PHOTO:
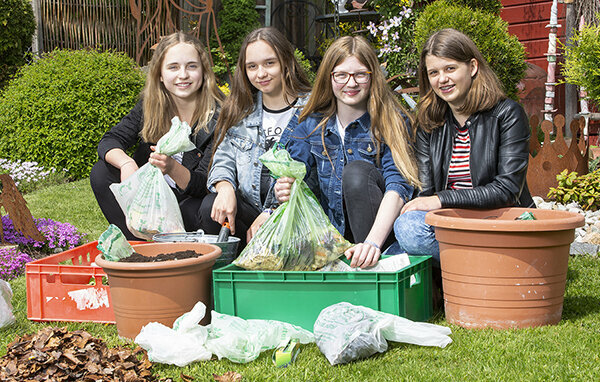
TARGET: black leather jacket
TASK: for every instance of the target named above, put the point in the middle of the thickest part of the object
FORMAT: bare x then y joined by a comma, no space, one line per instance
498,160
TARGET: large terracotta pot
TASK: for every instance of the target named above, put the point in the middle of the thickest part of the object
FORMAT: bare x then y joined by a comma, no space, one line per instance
159,291
500,272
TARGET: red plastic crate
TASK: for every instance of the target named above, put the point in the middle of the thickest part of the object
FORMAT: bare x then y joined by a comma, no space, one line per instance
57,292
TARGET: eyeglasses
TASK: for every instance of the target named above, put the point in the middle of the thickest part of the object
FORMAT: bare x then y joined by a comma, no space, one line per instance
342,78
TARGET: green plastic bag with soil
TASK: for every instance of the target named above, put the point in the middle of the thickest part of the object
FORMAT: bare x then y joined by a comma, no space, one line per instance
298,236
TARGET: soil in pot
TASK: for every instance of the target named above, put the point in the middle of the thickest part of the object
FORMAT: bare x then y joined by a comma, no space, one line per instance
179,255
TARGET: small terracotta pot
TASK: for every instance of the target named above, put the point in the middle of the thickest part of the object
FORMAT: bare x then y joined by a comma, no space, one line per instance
160,291
500,272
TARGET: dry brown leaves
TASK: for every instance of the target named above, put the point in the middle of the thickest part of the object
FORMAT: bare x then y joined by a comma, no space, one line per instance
59,355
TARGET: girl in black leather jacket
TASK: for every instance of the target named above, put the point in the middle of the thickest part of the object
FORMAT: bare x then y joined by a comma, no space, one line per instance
472,142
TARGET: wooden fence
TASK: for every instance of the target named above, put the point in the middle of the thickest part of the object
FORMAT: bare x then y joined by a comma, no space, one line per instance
130,26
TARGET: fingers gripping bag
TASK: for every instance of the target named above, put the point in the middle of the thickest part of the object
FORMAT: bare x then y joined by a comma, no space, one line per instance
149,205
298,236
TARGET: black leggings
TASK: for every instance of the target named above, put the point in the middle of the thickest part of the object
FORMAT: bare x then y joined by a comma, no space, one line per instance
363,188
104,174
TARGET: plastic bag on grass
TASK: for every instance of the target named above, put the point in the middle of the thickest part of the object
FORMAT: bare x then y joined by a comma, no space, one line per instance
228,337
6,310
298,236
346,332
149,205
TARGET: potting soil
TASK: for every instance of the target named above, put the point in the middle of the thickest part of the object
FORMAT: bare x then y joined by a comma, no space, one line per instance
139,258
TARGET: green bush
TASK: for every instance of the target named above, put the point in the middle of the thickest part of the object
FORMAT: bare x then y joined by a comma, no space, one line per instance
504,52
584,189
17,26
305,64
236,20
582,61
56,109
492,6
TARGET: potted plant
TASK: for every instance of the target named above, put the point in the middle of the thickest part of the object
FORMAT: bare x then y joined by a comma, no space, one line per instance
500,272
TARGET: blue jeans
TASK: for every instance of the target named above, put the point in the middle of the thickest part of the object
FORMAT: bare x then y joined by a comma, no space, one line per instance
415,237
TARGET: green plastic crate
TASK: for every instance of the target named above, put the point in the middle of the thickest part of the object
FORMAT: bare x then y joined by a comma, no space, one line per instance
299,297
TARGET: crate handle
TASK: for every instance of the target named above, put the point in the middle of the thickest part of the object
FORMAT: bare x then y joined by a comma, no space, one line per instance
415,279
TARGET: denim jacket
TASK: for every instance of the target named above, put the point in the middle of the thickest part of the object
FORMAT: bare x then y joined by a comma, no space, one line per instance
236,158
358,145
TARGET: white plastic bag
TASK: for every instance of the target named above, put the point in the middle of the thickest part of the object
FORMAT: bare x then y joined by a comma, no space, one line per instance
6,310
228,337
149,205
182,345
346,332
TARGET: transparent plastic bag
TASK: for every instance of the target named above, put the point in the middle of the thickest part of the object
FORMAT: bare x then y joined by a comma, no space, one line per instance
298,236
113,244
6,310
147,200
346,332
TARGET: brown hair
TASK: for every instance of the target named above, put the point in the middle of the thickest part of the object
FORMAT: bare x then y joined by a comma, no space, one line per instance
159,107
387,123
486,90
240,102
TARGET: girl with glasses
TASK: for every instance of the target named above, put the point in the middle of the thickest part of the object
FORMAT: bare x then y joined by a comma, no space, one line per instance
180,82
355,134
268,88
472,142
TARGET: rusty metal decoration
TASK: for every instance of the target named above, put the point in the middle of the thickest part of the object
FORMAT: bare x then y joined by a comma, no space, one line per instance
16,207
155,20
552,157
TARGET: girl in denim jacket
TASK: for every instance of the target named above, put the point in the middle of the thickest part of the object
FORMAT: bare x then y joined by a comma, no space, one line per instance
353,132
267,90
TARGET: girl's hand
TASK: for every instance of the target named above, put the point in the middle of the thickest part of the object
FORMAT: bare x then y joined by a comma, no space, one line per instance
258,222
161,161
422,203
225,205
283,188
363,255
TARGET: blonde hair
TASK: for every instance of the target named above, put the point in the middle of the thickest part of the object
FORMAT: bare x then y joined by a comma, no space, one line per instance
387,123
486,90
159,107
240,102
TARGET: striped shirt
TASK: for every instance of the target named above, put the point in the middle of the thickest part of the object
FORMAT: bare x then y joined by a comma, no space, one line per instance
459,172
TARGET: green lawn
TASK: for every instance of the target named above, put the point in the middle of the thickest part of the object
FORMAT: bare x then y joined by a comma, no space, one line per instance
567,351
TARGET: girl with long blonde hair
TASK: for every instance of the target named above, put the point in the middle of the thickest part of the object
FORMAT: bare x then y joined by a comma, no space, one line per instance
356,135
180,82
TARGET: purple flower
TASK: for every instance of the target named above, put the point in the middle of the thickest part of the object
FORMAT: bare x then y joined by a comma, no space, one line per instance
12,263
56,234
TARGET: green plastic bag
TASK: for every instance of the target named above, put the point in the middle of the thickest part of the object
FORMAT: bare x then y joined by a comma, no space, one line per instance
113,244
298,236
149,205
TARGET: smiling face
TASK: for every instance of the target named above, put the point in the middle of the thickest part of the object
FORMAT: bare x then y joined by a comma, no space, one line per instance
451,80
351,93
264,69
181,72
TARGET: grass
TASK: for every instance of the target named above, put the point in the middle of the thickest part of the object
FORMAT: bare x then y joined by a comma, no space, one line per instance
567,351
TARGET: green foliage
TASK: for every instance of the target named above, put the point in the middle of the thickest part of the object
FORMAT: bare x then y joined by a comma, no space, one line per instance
492,6
305,64
236,20
17,26
503,52
56,110
584,189
582,61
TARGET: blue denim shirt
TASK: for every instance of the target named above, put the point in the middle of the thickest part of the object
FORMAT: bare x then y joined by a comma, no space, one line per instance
236,158
358,145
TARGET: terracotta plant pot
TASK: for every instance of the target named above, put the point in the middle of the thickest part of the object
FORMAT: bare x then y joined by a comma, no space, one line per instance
159,291
500,272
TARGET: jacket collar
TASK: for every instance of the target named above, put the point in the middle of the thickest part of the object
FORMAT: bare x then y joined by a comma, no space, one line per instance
254,119
363,122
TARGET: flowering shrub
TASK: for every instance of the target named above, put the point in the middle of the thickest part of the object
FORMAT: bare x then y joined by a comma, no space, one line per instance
12,263
29,176
57,235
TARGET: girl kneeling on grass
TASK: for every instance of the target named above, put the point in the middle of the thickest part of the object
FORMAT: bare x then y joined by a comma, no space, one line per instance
353,131
180,82
472,142
269,86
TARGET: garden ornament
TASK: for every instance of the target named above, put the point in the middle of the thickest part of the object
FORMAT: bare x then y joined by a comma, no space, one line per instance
16,206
